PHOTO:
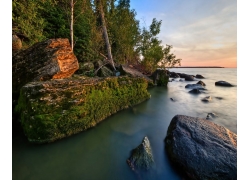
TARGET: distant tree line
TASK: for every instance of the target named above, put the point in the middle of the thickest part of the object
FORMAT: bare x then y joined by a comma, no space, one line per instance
81,21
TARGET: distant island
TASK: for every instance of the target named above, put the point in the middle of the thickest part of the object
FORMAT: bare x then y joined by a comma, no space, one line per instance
199,67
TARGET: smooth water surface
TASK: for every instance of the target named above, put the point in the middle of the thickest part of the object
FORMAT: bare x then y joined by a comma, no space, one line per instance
100,153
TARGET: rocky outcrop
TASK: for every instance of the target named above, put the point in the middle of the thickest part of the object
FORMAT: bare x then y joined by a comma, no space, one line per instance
198,76
55,109
131,72
141,157
202,149
223,83
50,59
160,77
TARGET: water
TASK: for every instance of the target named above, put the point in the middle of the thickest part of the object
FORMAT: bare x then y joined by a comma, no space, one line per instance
100,153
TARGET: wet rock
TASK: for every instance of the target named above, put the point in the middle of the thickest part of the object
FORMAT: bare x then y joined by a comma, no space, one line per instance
201,149
195,86
141,157
223,83
195,91
211,115
172,99
189,78
207,99
174,75
49,59
198,76
220,98
201,83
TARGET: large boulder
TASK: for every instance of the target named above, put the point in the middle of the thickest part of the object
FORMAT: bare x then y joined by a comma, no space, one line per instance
202,149
223,83
195,91
141,157
51,110
50,59
160,77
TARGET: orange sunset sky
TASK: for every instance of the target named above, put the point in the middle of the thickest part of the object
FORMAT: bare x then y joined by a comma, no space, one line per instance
202,33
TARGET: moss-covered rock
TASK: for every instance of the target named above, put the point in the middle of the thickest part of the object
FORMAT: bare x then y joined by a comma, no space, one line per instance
55,109
160,77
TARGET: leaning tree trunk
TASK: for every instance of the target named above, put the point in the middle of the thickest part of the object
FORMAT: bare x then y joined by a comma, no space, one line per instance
71,24
105,33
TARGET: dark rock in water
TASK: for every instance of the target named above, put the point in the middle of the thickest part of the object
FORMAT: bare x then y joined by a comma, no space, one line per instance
195,86
201,83
181,80
223,83
141,157
202,149
182,75
172,99
199,76
189,78
207,99
220,98
173,75
211,115
195,91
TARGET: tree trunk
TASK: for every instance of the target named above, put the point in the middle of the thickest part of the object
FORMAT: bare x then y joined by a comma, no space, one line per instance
105,33
71,24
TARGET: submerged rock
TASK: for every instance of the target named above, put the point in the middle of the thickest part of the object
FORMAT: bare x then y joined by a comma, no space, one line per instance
195,91
211,115
141,157
195,86
201,149
207,99
223,83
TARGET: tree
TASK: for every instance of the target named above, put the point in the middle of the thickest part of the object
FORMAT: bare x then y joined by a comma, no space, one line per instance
169,59
105,33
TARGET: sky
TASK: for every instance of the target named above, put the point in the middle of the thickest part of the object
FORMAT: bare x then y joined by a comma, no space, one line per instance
202,32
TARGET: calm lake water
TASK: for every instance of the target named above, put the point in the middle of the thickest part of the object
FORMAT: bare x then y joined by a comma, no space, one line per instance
100,153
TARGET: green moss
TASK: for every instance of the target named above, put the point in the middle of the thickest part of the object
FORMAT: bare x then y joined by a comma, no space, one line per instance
58,110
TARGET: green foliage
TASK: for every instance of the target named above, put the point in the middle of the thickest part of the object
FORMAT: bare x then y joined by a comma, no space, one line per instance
154,54
27,20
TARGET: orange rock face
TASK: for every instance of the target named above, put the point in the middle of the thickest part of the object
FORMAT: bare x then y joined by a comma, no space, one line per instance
50,59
